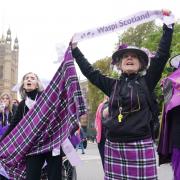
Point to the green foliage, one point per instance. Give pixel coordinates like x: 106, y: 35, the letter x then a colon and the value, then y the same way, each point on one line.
x: 114, y: 74
x: 175, y: 47
x: 136, y: 36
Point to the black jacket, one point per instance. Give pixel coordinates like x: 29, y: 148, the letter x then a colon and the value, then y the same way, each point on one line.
x: 129, y: 93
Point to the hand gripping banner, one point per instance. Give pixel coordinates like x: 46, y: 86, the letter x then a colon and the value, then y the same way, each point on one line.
x: 120, y: 24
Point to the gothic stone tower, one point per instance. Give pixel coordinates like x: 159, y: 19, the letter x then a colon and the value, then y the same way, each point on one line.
x: 8, y: 64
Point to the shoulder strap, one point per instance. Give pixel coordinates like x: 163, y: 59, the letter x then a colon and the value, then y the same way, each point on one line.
x: 153, y: 107
x: 147, y: 93
x: 114, y: 90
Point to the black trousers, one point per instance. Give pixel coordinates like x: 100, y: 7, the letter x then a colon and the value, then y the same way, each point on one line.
x: 35, y: 163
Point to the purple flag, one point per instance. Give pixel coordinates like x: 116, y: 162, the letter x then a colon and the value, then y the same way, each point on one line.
x: 52, y: 119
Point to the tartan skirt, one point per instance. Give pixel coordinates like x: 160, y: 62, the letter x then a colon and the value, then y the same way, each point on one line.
x: 130, y: 161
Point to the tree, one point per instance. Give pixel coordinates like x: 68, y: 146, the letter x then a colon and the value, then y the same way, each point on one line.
x: 136, y: 36
x: 175, y: 48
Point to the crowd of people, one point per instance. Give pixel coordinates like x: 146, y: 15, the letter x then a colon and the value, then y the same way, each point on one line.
x: 125, y: 119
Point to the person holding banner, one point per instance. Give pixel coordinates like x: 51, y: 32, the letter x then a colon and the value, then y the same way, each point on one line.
x: 129, y: 148
x: 169, y: 143
x: 30, y: 89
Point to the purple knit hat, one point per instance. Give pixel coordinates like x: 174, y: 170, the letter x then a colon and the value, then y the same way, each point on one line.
x: 124, y: 48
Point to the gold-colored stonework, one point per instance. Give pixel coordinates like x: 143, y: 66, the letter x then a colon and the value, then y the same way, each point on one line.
x: 8, y: 63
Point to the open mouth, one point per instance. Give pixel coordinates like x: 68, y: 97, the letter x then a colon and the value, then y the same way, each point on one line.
x: 129, y: 64
x: 29, y: 84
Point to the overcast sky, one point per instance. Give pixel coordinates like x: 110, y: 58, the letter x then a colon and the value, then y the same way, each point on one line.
x: 41, y: 25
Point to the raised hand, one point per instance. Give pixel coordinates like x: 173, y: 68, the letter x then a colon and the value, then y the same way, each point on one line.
x: 168, y: 18
x: 73, y: 44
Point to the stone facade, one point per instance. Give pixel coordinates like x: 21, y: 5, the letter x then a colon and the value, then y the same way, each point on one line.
x: 8, y: 64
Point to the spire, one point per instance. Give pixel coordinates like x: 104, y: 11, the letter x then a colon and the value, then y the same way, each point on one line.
x: 9, y: 32
x: 16, y: 44
x: 8, y: 38
x: 2, y: 39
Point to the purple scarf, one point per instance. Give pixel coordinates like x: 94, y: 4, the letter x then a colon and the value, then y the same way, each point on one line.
x: 52, y: 119
x: 171, y: 86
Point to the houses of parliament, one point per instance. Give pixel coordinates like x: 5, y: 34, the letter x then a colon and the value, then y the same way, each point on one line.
x: 9, y: 53
x: 9, y: 56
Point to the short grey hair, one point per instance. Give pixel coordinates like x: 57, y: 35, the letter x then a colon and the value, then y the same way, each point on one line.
x: 22, y: 91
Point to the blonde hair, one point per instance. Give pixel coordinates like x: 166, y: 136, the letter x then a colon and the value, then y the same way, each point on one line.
x: 22, y: 90
x: 10, y: 100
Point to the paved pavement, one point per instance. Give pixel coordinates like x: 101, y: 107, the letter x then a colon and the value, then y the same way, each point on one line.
x: 91, y: 169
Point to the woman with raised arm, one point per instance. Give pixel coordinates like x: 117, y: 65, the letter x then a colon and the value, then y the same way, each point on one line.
x: 129, y: 149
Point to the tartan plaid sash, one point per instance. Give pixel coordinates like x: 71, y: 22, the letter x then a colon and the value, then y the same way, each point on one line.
x: 52, y: 119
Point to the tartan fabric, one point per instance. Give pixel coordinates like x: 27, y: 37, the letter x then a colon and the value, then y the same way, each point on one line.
x: 52, y: 119
x: 165, y: 140
x: 130, y: 161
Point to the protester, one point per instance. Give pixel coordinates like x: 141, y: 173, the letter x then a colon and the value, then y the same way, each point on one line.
x: 100, y: 130
x: 169, y: 142
x: 30, y: 90
x: 129, y: 150
x: 47, y: 126
x: 82, y: 136
x: 6, y: 112
x: 80, y: 133
x: 15, y: 102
